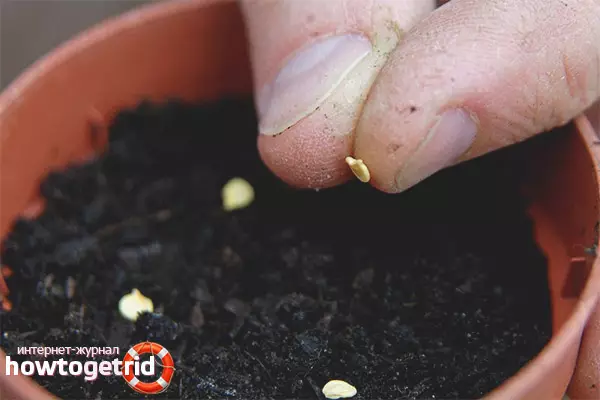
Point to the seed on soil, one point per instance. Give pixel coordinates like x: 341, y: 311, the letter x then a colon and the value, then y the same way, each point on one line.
x: 237, y: 193
x: 359, y: 169
x: 337, y: 389
x: 133, y: 304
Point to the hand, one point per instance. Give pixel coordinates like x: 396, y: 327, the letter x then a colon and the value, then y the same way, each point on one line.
x: 412, y: 90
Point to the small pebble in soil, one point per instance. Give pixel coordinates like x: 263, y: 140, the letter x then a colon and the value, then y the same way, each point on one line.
x: 336, y: 389
x: 133, y: 304
x: 237, y: 193
x: 444, y: 294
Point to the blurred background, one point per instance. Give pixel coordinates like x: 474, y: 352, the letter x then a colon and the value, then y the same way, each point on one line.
x: 31, y: 28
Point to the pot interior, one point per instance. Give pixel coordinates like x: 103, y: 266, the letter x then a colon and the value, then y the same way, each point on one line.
x: 564, y: 191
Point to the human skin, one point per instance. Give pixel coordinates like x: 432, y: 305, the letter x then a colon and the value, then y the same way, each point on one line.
x: 410, y: 88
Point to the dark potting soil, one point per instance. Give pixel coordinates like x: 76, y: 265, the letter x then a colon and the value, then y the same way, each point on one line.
x: 438, y: 292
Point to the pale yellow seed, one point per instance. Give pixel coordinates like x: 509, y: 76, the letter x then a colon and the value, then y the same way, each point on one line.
x: 133, y: 304
x: 337, y: 389
x: 237, y: 193
x: 359, y: 169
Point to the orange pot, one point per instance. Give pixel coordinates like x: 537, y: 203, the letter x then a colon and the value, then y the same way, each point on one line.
x: 197, y: 50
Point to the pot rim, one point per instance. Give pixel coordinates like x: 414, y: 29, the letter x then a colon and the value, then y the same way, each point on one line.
x: 10, y: 96
x: 111, y: 26
x: 574, y: 326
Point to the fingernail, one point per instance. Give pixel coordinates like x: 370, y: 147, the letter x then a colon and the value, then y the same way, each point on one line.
x: 447, y: 140
x: 307, y: 79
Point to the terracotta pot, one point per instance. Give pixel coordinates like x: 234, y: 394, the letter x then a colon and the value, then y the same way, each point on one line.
x: 197, y: 50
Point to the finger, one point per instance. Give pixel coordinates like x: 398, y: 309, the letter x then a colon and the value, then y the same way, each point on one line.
x: 475, y: 76
x: 314, y: 62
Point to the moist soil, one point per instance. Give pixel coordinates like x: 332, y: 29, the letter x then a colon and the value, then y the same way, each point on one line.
x: 439, y: 292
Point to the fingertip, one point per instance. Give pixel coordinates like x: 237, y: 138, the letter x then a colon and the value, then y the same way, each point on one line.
x: 305, y: 156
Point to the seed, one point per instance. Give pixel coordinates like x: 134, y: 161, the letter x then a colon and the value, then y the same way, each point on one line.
x: 237, y: 193
x: 337, y: 389
x: 133, y: 304
x: 359, y: 169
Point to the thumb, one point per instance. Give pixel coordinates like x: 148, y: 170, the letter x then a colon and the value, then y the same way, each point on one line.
x: 314, y: 62
x: 475, y: 76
